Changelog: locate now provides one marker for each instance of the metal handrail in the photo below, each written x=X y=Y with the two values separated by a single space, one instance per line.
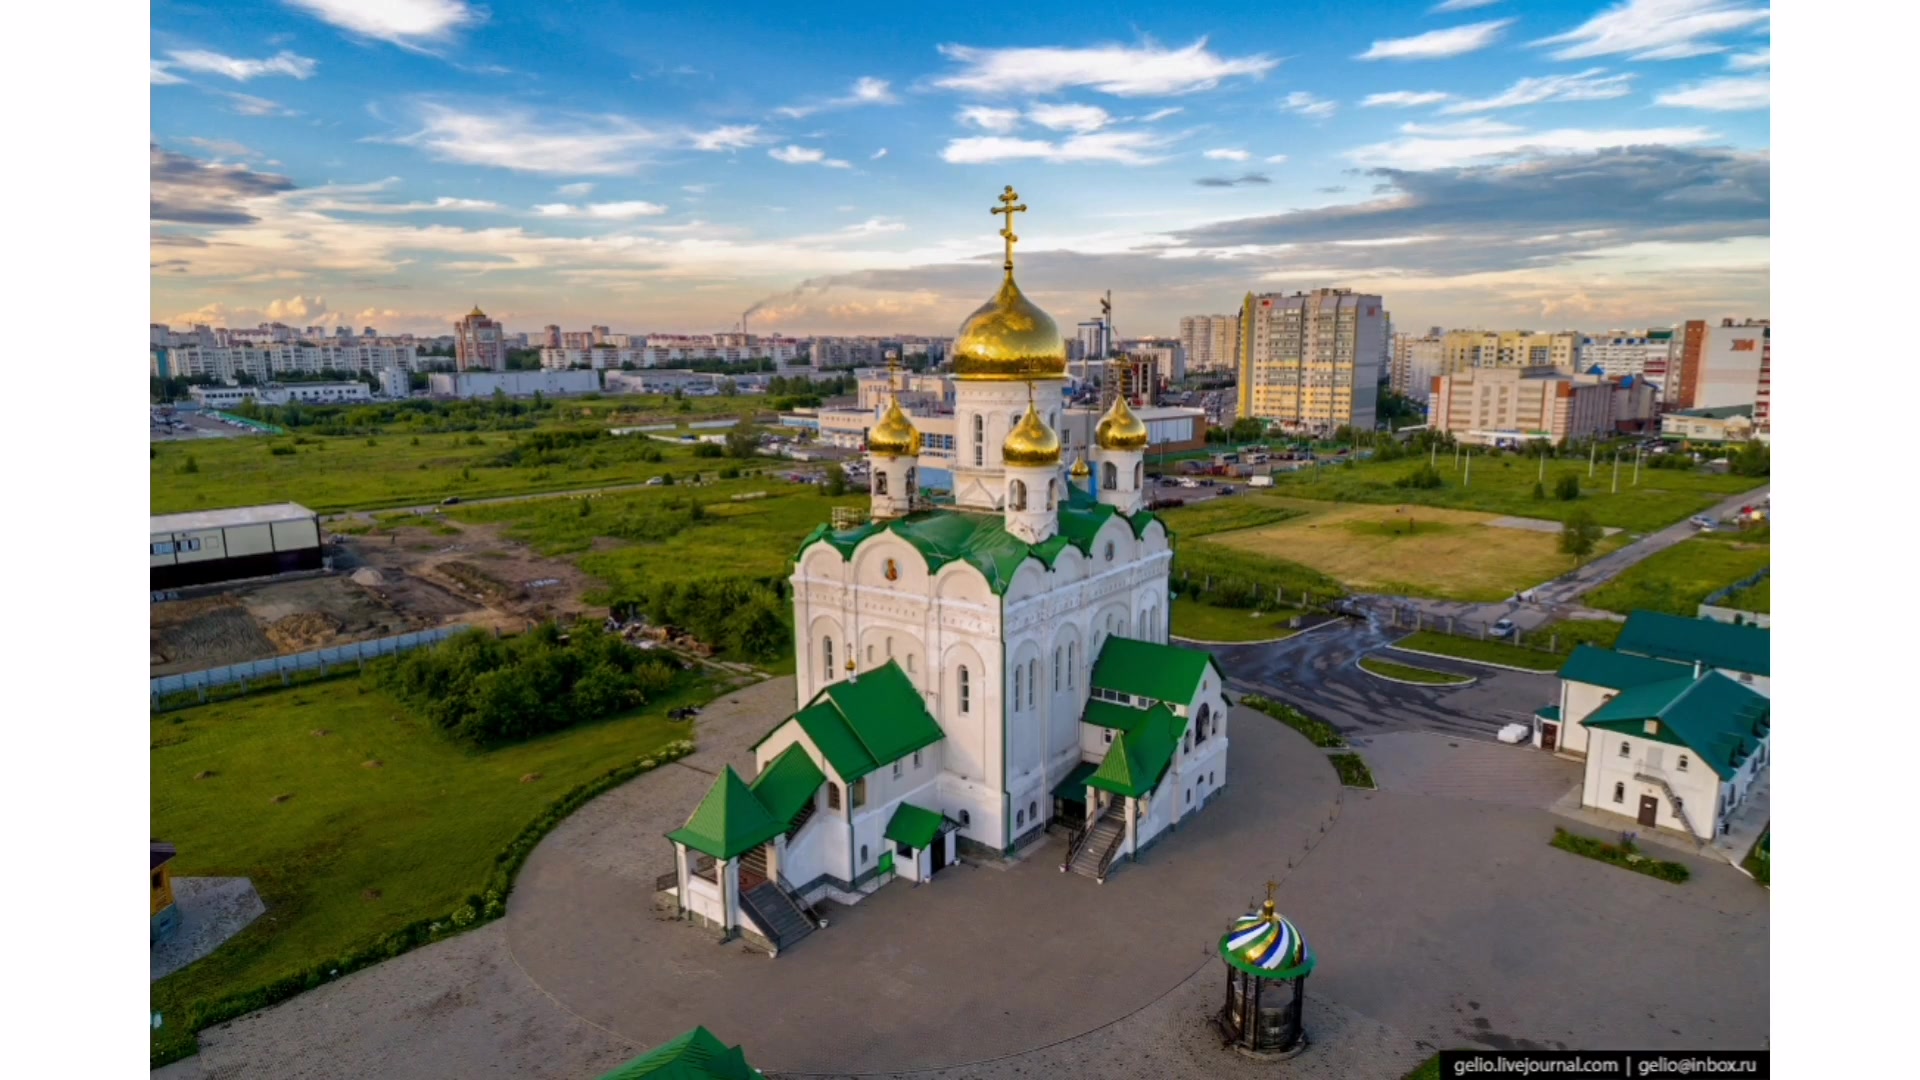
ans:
x=1113 y=848
x=799 y=902
x=666 y=881
x=1076 y=837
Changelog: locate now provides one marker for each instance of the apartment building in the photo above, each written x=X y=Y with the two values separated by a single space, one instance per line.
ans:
x=265 y=362
x=479 y=343
x=1723 y=365
x=1415 y=360
x=1310 y=362
x=1167 y=357
x=1463 y=349
x=1617 y=353
x=1211 y=342
x=1496 y=405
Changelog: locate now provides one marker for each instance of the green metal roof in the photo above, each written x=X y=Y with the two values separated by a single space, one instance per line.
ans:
x=913 y=826
x=1139 y=758
x=787 y=785
x=1715 y=644
x=1074 y=787
x=1549 y=712
x=1714 y=716
x=1146 y=669
x=1110 y=714
x=729 y=821
x=1617 y=671
x=981 y=539
x=1718 y=412
x=697 y=1055
x=862 y=724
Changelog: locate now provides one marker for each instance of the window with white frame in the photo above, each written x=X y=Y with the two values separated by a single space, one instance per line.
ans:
x=1620 y=792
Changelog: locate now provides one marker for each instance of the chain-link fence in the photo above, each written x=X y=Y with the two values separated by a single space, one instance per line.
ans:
x=173 y=691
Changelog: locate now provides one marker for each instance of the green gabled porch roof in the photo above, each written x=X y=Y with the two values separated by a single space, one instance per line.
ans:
x=862 y=724
x=914 y=826
x=697 y=1055
x=1147 y=669
x=981 y=539
x=729 y=821
x=787 y=784
x=1618 y=670
x=1139 y=758
x=1715 y=717
x=1714 y=644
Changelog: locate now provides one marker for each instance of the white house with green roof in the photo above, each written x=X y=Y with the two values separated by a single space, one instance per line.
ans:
x=1743 y=653
x=1652 y=647
x=1678 y=754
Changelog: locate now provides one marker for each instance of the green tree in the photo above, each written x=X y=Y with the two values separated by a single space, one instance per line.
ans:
x=742 y=441
x=1578 y=535
x=1248 y=429
x=666 y=479
x=1567 y=487
x=836 y=480
x=190 y=466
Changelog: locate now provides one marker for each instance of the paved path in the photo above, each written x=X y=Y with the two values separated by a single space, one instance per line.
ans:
x=1565 y=590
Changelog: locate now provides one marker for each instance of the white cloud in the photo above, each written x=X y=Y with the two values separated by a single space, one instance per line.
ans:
x=212 y=63
x=407 y=23
x=222 y=147
x=574 y=191
x=877 y=154
x=696 y=189
x=1161 y=114
x=873 y=91
x=1227 y=155
x=248 y=105
x=805 y=155
x=1422 y=152
x=1145 y=70
x=1404 y=99
x=729 y=137
x=298 y=307
x=1275 y=159
x=1458 y=5
x=1720 y=95
x=607 y=211
x=1752 y=61
x=1593 y=84
x=987 y=118
x=1656 y=29
x=1122 y=147
x=1306 y=104
x=1459 y=128
x=866 y=90
x=1439 y=44
x=1080 y=118
x=517 y=140
x=158 y=75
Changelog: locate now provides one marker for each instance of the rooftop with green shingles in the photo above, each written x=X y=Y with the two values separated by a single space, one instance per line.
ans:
x=1713 y=716
x=864 y=723
x=786 y=786
x=697 y=1055
x=913 y=826
x=729 y=821
x=1145 y=669
x=1715 y=644
x=1139 y=758
x=981 y=539
x=1617 y=670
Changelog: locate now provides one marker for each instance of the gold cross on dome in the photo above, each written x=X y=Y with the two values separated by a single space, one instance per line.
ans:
x=1009 y=206
x=1271 y=885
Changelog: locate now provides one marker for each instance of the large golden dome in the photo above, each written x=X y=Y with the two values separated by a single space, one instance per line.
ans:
x=894 y=435
x=1009 y=338
x=1031 y=442
x=1120 y=429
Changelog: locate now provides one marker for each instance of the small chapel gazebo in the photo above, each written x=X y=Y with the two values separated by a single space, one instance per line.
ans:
x=1264 y=948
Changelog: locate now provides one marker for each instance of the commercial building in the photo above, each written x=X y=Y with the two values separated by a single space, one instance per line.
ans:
x=225 y=545
x=1415 y=361
x=1463 y=349
x=477 y=384
x=1212 y=342
x=1496 y=405
x=1310 y=362
x=395 y=384
x=478 y=343
x=328 y=393
x=1723 y=365
x=1726 y=424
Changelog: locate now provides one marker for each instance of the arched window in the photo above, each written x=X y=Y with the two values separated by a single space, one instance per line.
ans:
x=1019 y=818
x=826 y=654
x=1017 y=495
x=889 y=646
x=869 y=654
x=1109 y=476
x=1017 y=672
x=1033 y=811
x=863 y=854
x=966 y=819
x=1052 y=488
x=1625 y=750
x=979 y=440
x=1682 y=765
x=1139 y=473
x=910 y=481
x=833 y=795
x=1056 y=669
x=1203 y=726
x=1620 y=793
x=1073 y=647
x=1033 y=676
x=879 y=482
x=966 y=691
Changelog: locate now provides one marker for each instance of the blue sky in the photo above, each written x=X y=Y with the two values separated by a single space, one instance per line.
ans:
x=1496 y=163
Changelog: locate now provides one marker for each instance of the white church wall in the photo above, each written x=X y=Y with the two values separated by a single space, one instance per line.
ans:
x=1578 y=701
x=816 y=849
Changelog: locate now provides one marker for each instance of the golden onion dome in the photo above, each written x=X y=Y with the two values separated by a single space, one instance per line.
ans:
x=1080 y=469
x=1120 y=429
x=1031 y=442
x=894 y=435
x=1009 y=338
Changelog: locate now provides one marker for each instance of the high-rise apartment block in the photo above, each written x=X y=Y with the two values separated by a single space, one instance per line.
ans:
x=1463 y=349
x=1212 y=342
x=1416 y=359
x=1642 y=353
x=1310 y=362
x=1725 y=365
x=478 y=343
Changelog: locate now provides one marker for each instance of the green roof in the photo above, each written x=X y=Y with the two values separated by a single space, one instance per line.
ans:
x=1139 y=758
x=1715 y=644
x=787 y=785
x=697 y=1055
x=1113 y=715
x=981 y=539
x=1074 y=787
x=1146 y=669
x=1549 y=712
x=729 y=821
x=1718 y=412
x=914 y=826
x=1714 y=716
x=862 y=724
x=1616 y=670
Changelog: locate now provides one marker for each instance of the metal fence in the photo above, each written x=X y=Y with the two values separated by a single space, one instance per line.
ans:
x=285 y=667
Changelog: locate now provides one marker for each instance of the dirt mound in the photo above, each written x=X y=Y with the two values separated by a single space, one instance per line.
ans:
x=304 y=630
x=367 y=575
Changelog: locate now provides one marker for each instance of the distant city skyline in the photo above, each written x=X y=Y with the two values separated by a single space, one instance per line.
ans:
x=1543 y=164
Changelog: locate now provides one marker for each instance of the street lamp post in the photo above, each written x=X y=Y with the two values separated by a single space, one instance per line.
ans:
x=1616 y=472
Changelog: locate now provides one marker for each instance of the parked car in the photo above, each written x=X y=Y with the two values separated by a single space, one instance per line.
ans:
x=1701 y=521
x=450 y=500
x=1226 y=489
x=1503 y=628
x=1189 y=483
x=656 y=481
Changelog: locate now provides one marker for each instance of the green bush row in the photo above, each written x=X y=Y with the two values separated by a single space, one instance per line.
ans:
x=1319 y=732
x=476 y=909
x=1353 y=770
x=1624 y=854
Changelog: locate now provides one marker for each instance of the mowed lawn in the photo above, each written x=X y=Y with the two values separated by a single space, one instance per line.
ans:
x=1504 y=485
x=1203 y=622
x=355 y=850
x=1411 y=550
x=1680 y=578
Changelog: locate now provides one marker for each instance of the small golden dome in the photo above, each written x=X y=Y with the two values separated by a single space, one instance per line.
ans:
x=1080 y=468
x=1120 y=429
x=1009 y=338
x=1031 y=442
x=476 y=313
x=894 y=435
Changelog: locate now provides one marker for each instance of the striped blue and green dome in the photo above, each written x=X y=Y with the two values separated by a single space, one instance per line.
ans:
x=1267 y=945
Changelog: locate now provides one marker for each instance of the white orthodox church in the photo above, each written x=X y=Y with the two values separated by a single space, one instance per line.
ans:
x=972 y=671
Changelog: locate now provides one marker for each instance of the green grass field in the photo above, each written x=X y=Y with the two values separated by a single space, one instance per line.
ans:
x=356 y=849
x=1389 y=670
x=1563 y=636
x=1504 y=485
x=1493 y=652
x=1203 y=622
x=1758 y=597
x=1678 y=579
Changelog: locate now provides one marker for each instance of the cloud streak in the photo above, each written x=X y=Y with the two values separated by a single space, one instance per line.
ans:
x=1593 y=84
x=1439 y=44
x=1720 y=95
x=410 y=24
x=1145 y=70
x=204 y=62
x=1656 y=29
x=1119 y=147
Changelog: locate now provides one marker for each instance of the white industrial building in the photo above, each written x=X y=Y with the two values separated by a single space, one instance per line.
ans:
x=327 y=393
x=478 y=384
x=224 y=545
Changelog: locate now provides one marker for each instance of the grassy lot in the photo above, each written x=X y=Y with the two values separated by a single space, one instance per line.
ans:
x=1426 y=1070
x=1626 y=856
x=351 y=834
x=1678 y=579
x=1493 y=652
x=1203 y=622
x=1353 y=770
x=1406 y=550
x=1759 y=861
x=1504 y=485
x=1567 y=633
x=1757 y=597
x=1390 y=670
x=1229 y=513
x=1319 y=732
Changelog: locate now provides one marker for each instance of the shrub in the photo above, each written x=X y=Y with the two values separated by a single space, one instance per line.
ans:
x=1425 y=477
x=281 y=450
x=709 y=450
x=1352 y=769
x=1539 y=492
x=189 y=466
x=1318 y=732
x=1567 y=487
x=1624 y=854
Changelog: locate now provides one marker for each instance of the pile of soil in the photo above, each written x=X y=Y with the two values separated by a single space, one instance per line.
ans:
x=368 y=576
x=303 y=630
